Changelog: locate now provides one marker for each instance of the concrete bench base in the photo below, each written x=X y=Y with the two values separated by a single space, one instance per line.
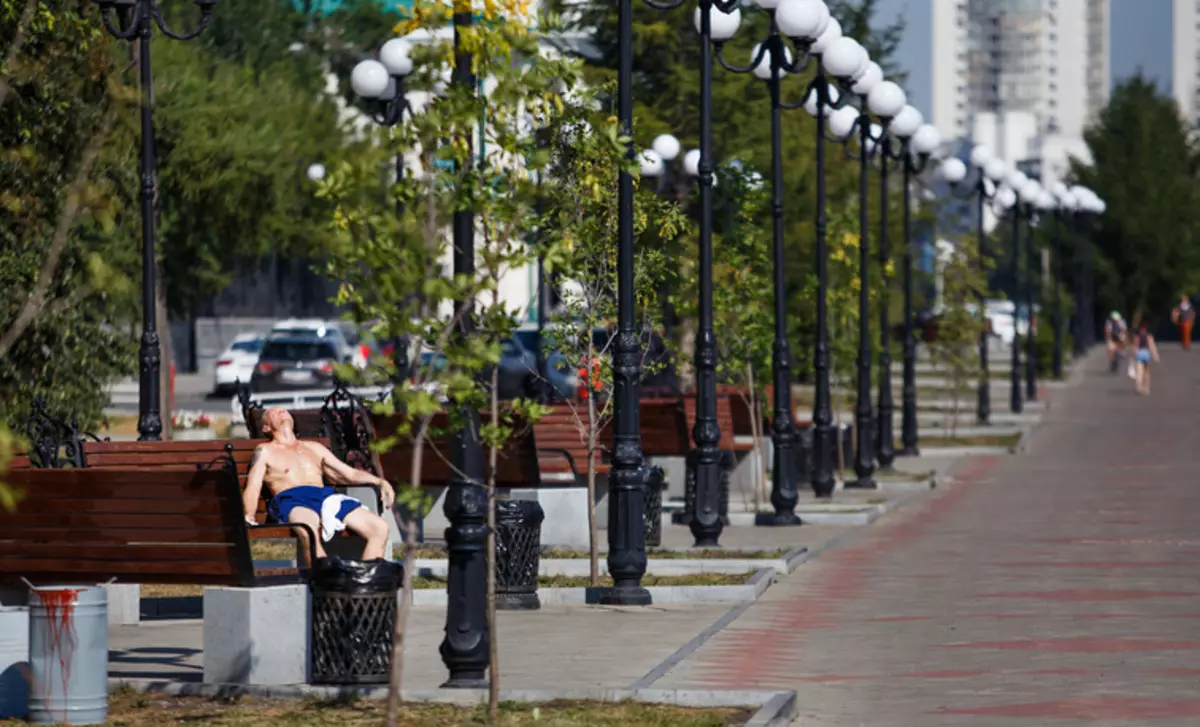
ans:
x=565 y=526
x=257 y=636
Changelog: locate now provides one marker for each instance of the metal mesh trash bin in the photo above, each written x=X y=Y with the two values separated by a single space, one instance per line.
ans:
x=656 y=482
x=518 y=553
x=354 y=617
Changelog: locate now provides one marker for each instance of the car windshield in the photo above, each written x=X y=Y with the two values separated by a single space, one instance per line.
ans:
x=248 y=346
x=297 y=351
x=300 y=332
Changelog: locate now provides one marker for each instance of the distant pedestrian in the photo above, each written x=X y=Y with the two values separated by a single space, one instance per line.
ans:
x=1144 y=352
x=1183 y=316
x=1114 y=339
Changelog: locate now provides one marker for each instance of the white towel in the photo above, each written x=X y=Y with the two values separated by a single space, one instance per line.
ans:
x=331 y=524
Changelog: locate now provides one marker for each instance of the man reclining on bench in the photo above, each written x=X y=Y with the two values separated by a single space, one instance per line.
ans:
x=294 y=472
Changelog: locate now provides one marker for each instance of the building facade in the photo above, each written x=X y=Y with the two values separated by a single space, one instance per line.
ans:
x=1185 y=65
x=1023 y=77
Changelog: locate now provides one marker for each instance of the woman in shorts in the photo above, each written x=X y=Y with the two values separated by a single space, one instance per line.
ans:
x=1144 y=352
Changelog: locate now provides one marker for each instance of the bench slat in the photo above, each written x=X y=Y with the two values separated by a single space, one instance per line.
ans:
x=117 y=551
x=29 y=520
x=122 y=506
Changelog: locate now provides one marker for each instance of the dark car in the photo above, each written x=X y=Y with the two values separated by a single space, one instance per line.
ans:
x=294 y=363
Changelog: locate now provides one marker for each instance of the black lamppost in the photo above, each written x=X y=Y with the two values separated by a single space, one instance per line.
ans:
x=772 y=59
x=715 y=20
x=884 y=99
x=913 y=157
x=1088 y=205
x=895 y=147
x=1043 y=206
x=380 y=83
x=1028 y=193
x=1065 y=205
x=464 y=649
x=629 y=476
x=843 y=60
x=137 y=19
x=990 y=172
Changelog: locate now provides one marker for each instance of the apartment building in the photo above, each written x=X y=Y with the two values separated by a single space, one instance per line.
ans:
x=1185 y=64
x=1023 y=77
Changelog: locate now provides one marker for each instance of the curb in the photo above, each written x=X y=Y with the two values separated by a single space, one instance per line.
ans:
x=956 y=452
x=437 y=567
x=774 y=707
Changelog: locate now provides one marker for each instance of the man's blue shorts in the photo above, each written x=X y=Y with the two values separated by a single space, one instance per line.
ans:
x=309 y=497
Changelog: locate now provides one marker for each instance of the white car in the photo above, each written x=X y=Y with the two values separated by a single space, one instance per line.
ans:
x=236 y=363
x=1000 y=313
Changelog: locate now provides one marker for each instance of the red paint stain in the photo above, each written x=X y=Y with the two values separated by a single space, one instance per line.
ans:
x=1062 y=672
x=1092 y=594
x=824 y=678
x=1178 y=672
x=1091 y=708
x=60 y=610
x=1081 y=645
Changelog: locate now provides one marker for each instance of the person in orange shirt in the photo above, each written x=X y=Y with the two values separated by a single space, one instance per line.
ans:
x=1183 y=316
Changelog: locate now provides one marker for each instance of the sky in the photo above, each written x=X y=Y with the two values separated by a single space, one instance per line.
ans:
x=1141 y=38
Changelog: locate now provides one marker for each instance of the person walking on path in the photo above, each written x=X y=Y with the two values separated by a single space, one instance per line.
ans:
x=1114 y=338
x=1145 y=351
x=1184 y=316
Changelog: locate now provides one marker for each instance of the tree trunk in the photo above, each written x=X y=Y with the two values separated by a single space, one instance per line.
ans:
x=593 y=531
x=166 y=390
x=406 y=585
x=761 y=489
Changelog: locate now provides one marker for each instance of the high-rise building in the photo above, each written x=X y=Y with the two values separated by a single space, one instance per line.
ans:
x=1185 y=63
x=1023 y=77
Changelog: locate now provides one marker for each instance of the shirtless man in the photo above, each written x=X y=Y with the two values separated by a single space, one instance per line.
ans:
x=294 y=471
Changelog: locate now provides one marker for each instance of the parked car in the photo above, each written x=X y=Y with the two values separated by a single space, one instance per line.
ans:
x=324 y=330
x=236 y=363
x=1001 y=314
x=294 y=362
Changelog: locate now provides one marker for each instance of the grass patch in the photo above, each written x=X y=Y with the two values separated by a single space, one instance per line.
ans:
x=694 y=579
x=286 y=550
x=130 y=709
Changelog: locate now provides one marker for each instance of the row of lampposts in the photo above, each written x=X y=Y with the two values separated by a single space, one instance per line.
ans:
x=800 y=31
x=1011 y=192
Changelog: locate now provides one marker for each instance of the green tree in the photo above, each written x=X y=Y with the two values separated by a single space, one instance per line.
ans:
x=580 y=246
x=62 y=291
x=666 y=100
x=392 y=266
x=1144 y=166
x=955 y=347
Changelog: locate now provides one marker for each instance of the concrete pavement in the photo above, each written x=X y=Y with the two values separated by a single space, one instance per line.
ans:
x=1057 y=587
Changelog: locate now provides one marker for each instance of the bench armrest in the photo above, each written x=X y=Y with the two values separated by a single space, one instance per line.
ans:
x=570 y=461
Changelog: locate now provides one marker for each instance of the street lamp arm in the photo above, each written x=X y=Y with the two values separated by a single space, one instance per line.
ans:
x=130 y=31
x=763 y=49
x=160 y=21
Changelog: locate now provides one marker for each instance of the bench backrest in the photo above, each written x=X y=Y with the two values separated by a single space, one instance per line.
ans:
x=664 y=426
x=517 y=462
x=560 y=431
x=168 y=525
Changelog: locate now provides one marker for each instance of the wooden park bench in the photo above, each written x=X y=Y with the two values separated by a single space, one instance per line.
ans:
x=166 y=525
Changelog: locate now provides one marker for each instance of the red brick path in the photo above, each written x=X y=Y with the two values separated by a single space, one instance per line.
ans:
x=1057 y=587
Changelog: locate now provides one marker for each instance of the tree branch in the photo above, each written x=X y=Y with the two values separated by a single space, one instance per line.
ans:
x=62 y=231
x=15 y=47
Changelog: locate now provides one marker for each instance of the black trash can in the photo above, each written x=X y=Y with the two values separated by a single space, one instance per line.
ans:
x=518 y=554
x=847 y=437
x=656 y=482
x=354 y=617
x=804 y=456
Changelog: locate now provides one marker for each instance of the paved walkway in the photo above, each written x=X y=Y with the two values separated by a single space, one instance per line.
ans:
x=1057 y=587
